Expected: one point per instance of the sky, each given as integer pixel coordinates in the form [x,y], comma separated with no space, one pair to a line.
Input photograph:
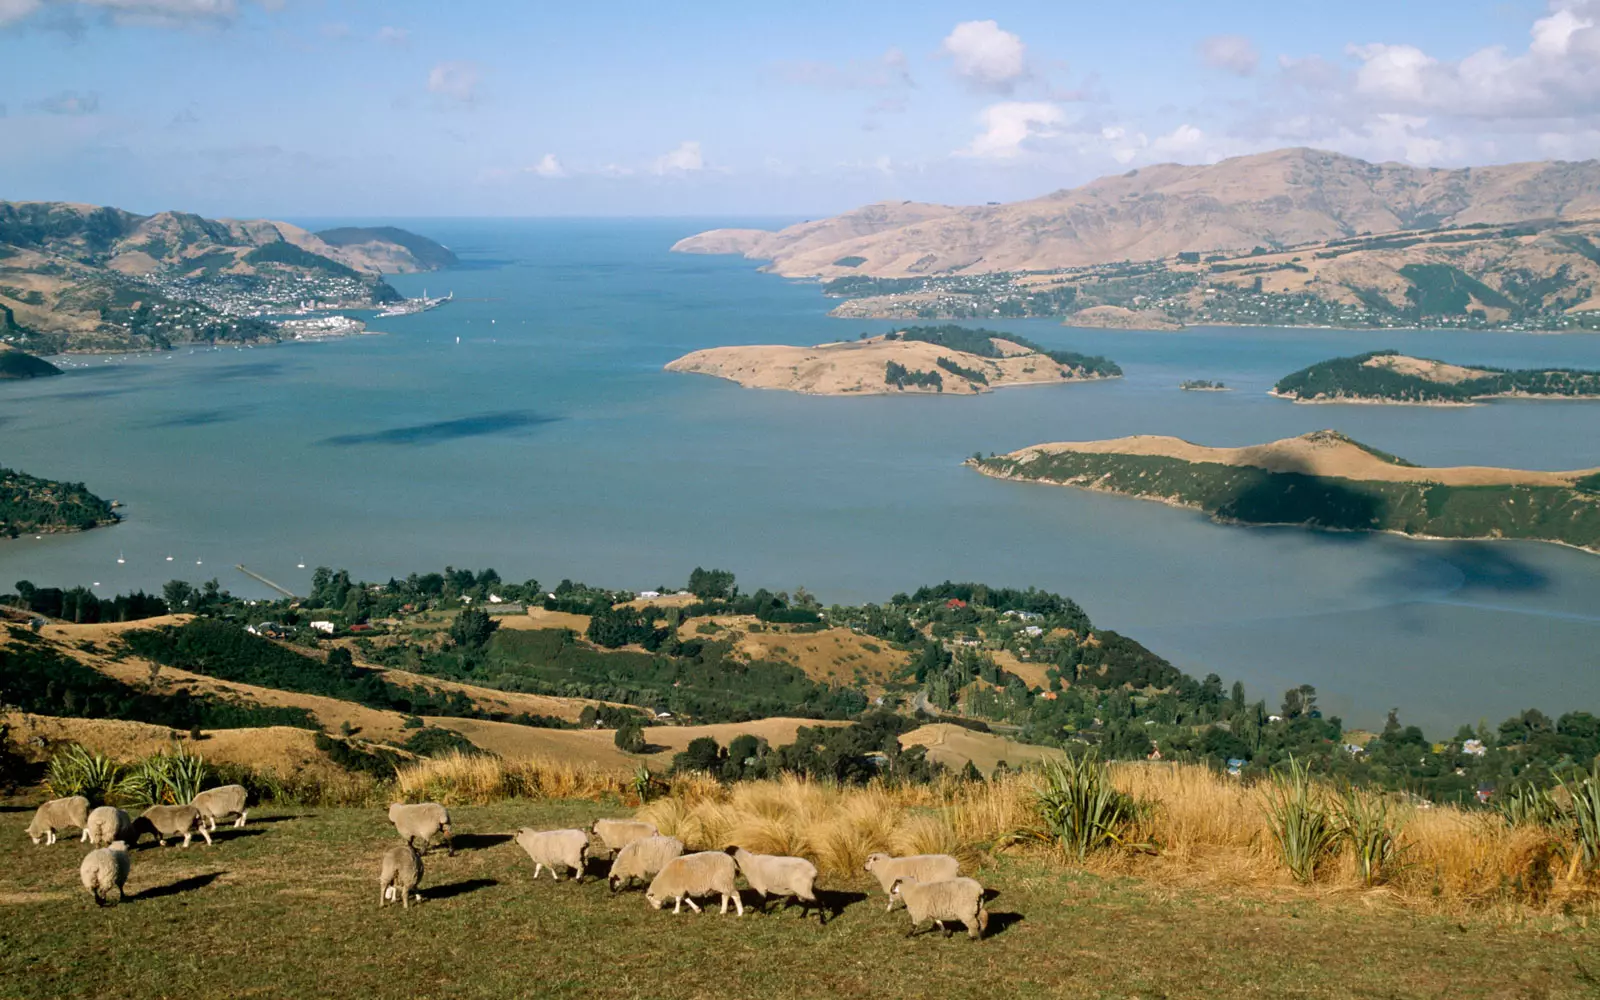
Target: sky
[360,108]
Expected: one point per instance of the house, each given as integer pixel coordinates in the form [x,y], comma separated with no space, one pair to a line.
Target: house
[1352,749]
[1033,631]
[1485,793]
[955,603]
[361,627]
[496,599]
[323,627]
[648,594]
[1474,747]
[1274,718]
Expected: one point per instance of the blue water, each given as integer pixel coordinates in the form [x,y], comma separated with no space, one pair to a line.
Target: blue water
[549,443]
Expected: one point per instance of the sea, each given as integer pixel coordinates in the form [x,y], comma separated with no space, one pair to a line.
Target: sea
[528,426]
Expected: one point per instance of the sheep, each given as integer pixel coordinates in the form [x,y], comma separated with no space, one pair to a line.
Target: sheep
[58,814]
[106,869]
[642,859]
[950,899]
[924,867]
[616,834]
[162,822]
[782,877]
[400,875]
[694,875]
[555,849]
[422,821]
[220,803]
[106,824]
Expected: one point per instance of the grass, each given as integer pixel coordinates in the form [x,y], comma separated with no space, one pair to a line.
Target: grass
[287,908]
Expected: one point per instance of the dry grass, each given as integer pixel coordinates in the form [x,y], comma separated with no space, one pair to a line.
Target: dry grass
[463,779]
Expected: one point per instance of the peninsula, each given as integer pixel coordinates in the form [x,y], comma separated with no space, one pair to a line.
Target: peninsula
[943,359]
[1322,480]
[15,364]
[30,505]
[1392,377]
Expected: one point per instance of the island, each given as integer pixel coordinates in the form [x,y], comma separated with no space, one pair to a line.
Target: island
[30,505]
[1392,377]
[918,359]
[1203,385]
[15,364]
[1322,480]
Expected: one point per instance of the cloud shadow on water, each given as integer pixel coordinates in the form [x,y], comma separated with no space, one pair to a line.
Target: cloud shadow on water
[194,418]
[441,431]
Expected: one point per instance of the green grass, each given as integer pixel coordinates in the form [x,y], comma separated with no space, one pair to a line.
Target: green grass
[289,909]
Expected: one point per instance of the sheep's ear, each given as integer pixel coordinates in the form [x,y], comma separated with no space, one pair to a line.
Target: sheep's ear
[731,850]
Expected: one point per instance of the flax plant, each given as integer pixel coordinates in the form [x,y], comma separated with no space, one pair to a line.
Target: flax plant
[1298,816]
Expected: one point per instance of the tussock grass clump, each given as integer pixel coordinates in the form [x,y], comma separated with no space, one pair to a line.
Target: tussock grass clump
[455,778]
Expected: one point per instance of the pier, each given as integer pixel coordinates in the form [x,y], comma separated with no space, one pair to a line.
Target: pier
[285,591]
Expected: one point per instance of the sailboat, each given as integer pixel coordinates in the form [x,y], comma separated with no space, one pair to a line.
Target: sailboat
[300,565]
[169,558]
[120,560]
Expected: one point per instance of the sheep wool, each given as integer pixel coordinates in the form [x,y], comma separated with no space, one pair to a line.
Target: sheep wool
[781,877]
[422,821]
[956,899]
[165,822]
[222,803]
[105,869]
[106,824]
[704,874]
[615,834]
[399,875]
[58,814]
[922,867]
[555,850]
[642,859]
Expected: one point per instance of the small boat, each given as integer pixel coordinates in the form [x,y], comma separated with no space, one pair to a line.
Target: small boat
[120,560]
[169,558]
[198,562]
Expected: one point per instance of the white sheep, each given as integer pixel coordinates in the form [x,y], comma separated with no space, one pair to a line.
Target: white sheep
[555,849]
[58,814]
[616,834]
[106,869]
[704,874]
[642,859]
[922,867]
[106,824]
[778,876]
[221,803]
[162,822]
[400,875]
[422,821]
[950,899]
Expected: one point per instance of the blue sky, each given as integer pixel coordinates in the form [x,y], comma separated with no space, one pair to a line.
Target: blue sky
[301,107]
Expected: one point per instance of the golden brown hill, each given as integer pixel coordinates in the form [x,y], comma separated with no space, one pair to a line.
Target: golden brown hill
[1277,199]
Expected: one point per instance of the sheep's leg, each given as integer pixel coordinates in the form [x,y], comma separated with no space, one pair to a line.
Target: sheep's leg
[52,839]
[695,906]
[187,836]
[890,907]
[943,929]
[84,836]
[405,896]
[206,834]
[738,902]
[238,824]
[122,897]
[677,904]
[537,868]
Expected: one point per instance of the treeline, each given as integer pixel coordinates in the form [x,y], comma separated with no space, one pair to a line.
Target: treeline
[981,342]
[855,754]
[37,679]
[899,376]
[28,503]
[1354,378]
[82,606]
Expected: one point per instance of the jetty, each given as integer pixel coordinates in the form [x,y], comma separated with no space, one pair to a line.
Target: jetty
[285,591]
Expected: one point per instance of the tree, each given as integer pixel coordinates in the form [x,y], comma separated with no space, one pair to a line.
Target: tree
[630,737]
[702,754]
[1300,701]
[178,594]
[472,628]
[712,584]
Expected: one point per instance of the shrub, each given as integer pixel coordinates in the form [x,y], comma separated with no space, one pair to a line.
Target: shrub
[1586,816]
[164,779]
[1298,817]
[1372,830]
[1080,808]
[76,770]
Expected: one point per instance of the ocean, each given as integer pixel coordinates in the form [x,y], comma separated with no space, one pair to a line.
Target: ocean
[549,443]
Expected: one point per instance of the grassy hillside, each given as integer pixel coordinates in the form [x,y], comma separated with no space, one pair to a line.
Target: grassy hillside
[31,504]
[16,364]
[1251,495]
[428,254]
[1389,376]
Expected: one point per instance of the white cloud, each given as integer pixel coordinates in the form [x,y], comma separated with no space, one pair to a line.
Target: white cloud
[687,158]
[986,55]
[1234,54]
[166,13]
[548,167]
[12,11]
[888,70]
[1010,125]
[455,80]
[398,37]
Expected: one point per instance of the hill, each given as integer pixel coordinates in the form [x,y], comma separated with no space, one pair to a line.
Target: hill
[389,249]
[1392,377]
[1322,480]
[29,504]
[1295,237]
[81,277]
[15,364]
[915,360]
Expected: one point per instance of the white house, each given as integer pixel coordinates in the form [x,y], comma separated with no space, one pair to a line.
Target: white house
[323,627]
[646,594]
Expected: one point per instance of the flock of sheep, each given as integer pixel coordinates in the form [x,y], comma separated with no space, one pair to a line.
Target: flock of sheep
[930,885]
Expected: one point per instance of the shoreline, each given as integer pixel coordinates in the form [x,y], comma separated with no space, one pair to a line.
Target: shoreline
[1451,404]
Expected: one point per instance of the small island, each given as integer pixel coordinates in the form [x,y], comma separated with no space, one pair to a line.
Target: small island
[1392,377]
[30,505]
[1322,480]
[920,359]
[15,364]
[1203,385]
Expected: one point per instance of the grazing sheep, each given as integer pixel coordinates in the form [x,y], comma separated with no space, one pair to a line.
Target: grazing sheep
[951,899]
[400,876]
[923,867]
[555,849]
[106,824]
[106,869]
[221,803]
[58,814]
[162,822]
[616,834]
[703,874]
[780,877]
[642,859]
[422,821]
